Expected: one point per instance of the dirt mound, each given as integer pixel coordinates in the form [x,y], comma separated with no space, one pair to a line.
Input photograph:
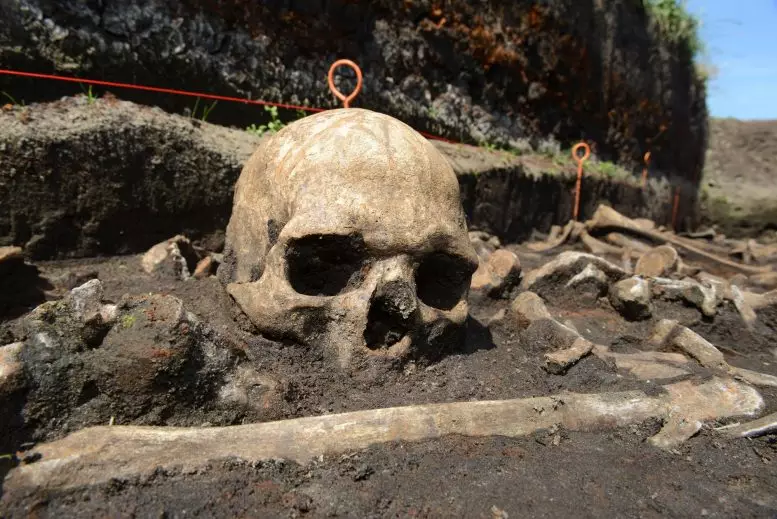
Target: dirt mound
[741,166]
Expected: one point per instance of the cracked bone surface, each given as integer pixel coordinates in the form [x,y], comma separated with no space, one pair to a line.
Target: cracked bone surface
[95,455]
[347,233]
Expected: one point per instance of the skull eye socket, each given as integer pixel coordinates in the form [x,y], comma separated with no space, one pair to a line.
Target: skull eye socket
[325,265]
[442,280]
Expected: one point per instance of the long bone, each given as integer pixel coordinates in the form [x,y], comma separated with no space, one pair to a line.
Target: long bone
[97,454]
[607,218]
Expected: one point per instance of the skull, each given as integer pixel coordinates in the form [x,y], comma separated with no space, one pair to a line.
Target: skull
[347,233]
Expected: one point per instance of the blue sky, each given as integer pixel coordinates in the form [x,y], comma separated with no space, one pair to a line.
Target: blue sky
[741,41]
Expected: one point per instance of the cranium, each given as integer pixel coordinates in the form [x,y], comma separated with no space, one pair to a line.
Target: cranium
[347,233]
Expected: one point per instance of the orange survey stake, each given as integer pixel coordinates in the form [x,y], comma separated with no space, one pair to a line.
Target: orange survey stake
[331,78]
[580,160]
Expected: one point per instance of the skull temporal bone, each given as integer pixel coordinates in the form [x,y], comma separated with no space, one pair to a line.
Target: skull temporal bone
[347,231]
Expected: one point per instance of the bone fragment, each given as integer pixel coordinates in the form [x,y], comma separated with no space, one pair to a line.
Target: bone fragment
[743,307]
[758,301]
[606,218]
[623,241]
[675,431]
[764,425]
[559,361]
[670,333]
[567,263]
[97,454]
[631,298]
[659,261]
[555,240]
[589,273]
[596,246]
[528,307]
[647,365]
[704,297]
[753,377]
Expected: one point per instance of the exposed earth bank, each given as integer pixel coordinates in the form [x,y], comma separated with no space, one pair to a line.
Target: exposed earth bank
[506,72]
[113,177]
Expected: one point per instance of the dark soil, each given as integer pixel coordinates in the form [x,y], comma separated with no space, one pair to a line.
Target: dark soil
[553,473]
[584,475]
[112,177]
[507,72]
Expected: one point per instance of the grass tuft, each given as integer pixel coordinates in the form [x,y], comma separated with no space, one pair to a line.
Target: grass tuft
[676,23]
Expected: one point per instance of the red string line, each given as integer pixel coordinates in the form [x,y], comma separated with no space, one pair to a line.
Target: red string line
[162,90]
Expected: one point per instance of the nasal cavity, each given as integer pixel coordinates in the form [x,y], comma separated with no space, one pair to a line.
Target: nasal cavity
[391,315]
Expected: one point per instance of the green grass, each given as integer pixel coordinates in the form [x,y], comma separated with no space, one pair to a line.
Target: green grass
[274,125]
[206,110]
[11,99]
[676,23]
[91,96]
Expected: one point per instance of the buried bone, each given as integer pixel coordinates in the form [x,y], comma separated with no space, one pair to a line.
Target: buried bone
[347,233]
[669,333]
[95,455]
[608,219]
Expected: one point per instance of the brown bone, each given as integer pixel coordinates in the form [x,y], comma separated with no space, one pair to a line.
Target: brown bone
[607,218]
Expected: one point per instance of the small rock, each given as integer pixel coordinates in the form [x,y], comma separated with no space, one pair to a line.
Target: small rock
[11,372]
[631,298]
[657,262]
[86,302]
[87,299]
[248,388]
[527,308]
[175,257]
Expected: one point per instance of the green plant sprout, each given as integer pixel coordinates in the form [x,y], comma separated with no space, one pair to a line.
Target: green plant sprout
[274,125]
[12,99]
[206,110]
[91,97]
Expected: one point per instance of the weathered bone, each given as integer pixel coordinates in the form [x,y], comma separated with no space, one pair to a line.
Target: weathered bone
[554,240]
[597,246]
[97,454]
[670,333]
[623,241]
[647,365]
[347,234]
[564,262]
[764,425]
[607,218]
